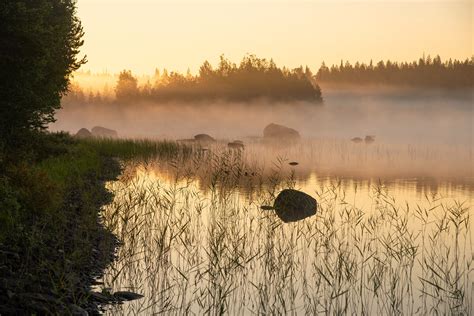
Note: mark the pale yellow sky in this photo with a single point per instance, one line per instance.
(143, 34)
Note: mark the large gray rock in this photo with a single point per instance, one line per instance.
(83, 133)
(293, 205)
(204, 138)
(280, 133)
(99, 131)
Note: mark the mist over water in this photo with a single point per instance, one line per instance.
(421, 160)
(426, 117)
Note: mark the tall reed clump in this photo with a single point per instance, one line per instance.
(195, 241)
(130, 148)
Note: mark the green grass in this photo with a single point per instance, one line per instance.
(51, 194)
(132, 148)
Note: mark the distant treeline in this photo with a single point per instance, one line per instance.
(426, 72)
(253, 78)
(256, 78)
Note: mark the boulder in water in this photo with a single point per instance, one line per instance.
(204, 138)
(277, 132)
(83, 133)
(99, 131)
(293, 205)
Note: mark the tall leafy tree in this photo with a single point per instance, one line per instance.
(39, 47)
(127, 87)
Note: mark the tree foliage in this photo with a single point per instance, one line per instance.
(426, 72)
(39, 44)
(254, 78)
(127, 87)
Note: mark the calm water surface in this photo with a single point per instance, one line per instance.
(195, 241)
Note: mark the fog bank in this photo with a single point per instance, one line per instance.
(394, 117)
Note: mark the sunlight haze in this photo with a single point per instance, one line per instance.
(143, 35)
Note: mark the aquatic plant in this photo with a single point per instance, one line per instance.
(195, 250)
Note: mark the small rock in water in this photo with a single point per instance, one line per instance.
(266, 207)
(356, 140)
(83, 133)
(293, 205)
(127, 296)
(369, 139)
(205, 138)
(293, 163)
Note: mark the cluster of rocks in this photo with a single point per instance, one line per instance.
(272, 133)
(205, 139)
(97, 131)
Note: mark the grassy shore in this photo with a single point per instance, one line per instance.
(52, 241)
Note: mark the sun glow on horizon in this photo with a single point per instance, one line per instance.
(143, 35)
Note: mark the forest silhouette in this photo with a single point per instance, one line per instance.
(427, 72)
(254, 78)
(258, 78)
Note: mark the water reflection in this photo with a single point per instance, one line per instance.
(230, 173)
(195, 241)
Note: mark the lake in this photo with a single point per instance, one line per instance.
(392, 232)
